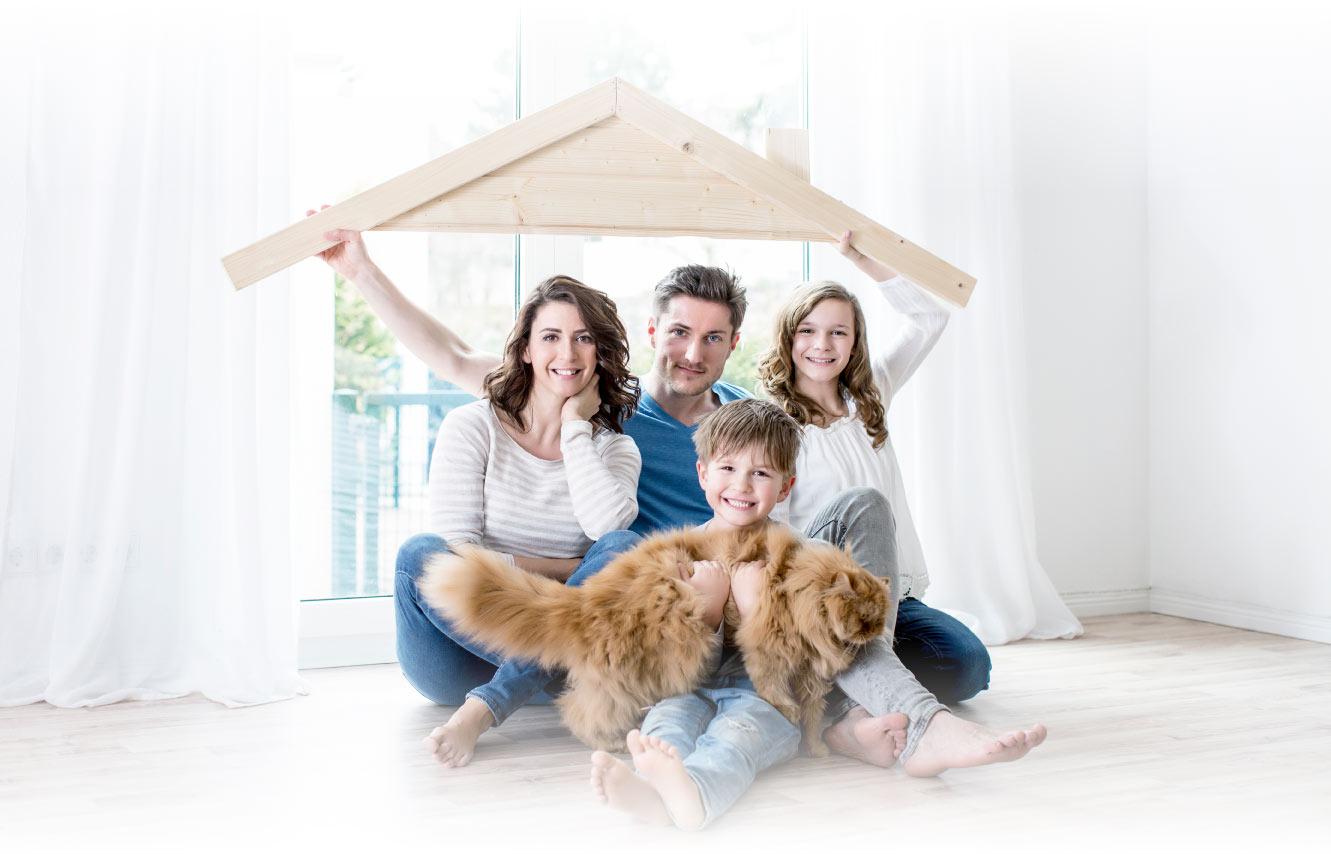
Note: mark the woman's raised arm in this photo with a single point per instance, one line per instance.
(439, 347)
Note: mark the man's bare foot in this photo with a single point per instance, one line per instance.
(878, 741)
(660, 765)
(616, 786)
(950, 742)
(454, 742)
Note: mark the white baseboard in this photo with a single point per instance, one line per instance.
(1103, 603)
(346, 632)
(1241, 615)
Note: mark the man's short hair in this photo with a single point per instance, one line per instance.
(750, 423)
(705, 283)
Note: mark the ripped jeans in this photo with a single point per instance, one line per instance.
(726, 734)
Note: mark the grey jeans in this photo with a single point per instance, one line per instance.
(861, 521)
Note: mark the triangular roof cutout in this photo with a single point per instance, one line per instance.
(611, 160)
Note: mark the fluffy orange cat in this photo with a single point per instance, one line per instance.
(634, 633)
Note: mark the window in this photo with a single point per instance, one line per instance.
(364, 115)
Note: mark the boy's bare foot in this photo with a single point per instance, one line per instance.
(454, 742)
(878, 741)
(616, 786)
(660, 765)
(950, 742)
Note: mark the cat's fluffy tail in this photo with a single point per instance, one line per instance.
(513, 612)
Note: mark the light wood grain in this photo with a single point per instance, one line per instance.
(1165, 734)
(789, 149)
(411, 189)
(608, 179)
(611, 160)
(770, 181)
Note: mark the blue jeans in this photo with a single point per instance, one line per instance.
(445, 665)
(727, 735)
(944, 655)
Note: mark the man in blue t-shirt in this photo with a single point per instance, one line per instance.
(696, 315)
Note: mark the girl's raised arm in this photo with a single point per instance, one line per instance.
(897, 353)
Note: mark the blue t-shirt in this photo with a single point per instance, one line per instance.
(668, 492)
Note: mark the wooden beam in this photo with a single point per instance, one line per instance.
(601, 205)
(789, 149)
(802, 199)
(369, 209)
(608, 179)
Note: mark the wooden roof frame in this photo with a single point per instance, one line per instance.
(519, 179)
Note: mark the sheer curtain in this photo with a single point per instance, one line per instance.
(909, 122)
(145, 429)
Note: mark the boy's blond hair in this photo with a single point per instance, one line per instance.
(750, 423)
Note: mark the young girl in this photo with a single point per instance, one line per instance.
(825, 371)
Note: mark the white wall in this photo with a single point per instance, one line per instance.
(1239, 305)
(1079, 143)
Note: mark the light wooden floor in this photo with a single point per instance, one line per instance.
(1164, 734)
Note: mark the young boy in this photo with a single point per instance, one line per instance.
(697, 753)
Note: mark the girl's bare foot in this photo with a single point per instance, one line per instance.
(878, 741)
(454, 742)
(616, 786)
(950, 742)
(660, 765)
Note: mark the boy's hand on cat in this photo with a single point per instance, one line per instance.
(746, 585)
(710, 579)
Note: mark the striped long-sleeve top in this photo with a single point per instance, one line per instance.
(486, 490)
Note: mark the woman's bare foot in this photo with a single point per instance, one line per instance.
(454, 742)
(950, 742)
(616, 786)
(878, 741)
(660, 765)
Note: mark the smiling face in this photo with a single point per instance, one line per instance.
(823, 341)
(560, 350)
(742, 487)
(692, 339)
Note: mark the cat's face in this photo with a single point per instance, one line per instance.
(855, 602)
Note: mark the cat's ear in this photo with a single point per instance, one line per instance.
(841, 586)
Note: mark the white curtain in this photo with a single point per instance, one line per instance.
(910, 123)
(145, 425)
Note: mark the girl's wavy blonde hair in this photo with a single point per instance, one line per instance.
(777, 371)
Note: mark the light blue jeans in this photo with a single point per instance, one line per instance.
(726, 735)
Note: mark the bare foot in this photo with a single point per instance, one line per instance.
(950, 742)
(660, 765)
(454, 742)
(615, 785)
(878, 741)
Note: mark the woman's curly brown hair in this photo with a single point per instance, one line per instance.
(508, 387)
(777, 373)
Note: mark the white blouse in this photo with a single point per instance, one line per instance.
(841, 455)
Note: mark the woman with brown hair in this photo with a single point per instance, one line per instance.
(538, 470)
